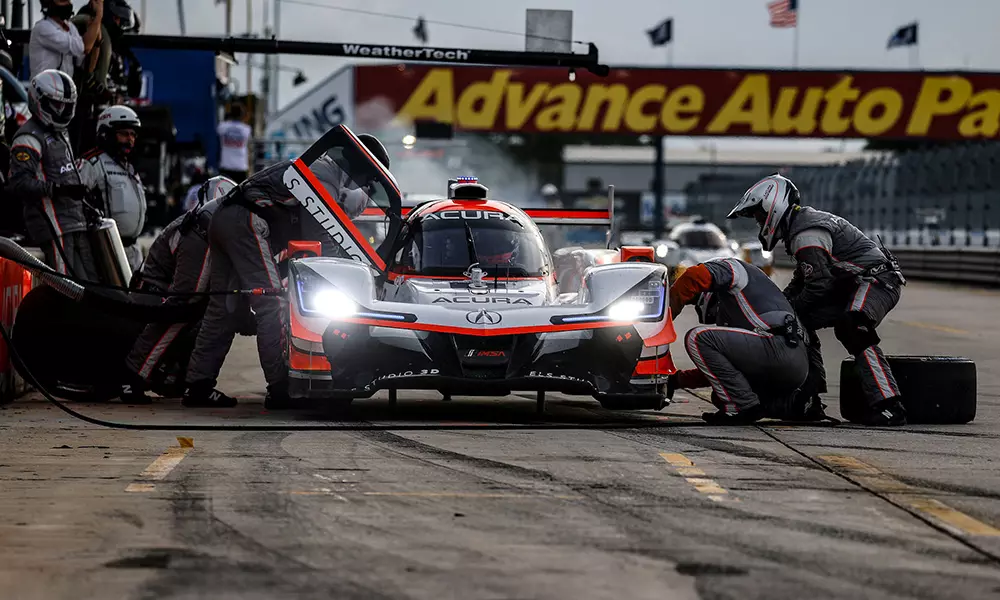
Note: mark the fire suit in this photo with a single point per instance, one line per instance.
(124, 200)
(252, 226)
(756, 348)
(846, 281)
(44, 179)
(178, 261)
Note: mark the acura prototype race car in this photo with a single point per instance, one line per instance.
(462, 297)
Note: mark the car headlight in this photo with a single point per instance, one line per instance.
(332, 303)
(625, 310)
(661, 250)
(766, 254)
(318, 298)
(734, 245)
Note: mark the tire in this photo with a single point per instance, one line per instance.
(74, 352)
(938, 390)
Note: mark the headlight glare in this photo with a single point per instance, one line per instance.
(661, 250)
(333, 303)
(625, 310)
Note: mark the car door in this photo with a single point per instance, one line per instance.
(337, 180)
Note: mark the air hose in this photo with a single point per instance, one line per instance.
(26, 373)
(74, 290)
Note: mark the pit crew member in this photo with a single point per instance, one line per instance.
(843, 279)
(108, 174)
(752, 345)
(45, 181)
(178, 261)
(257, 217)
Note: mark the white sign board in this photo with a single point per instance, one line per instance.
(548, 30)
(317, 111)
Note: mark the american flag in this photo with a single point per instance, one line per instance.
(783, 13)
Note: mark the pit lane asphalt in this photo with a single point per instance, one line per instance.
(673, 512)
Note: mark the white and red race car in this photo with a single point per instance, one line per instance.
(463, 297)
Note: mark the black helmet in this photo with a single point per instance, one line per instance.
(375, 147)
(121, 10)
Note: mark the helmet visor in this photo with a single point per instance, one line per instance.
(61, 111)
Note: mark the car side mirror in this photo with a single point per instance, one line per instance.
(304, 249)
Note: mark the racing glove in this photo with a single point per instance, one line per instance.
(247, 325)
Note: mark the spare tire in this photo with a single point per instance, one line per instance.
(938, 390)
(74, 351)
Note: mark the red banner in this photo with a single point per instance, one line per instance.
(694, 102)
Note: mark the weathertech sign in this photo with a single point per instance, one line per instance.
(863, 104)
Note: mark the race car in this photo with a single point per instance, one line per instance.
(692, 243)
(462, 297)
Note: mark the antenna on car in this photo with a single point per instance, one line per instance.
(611, 215)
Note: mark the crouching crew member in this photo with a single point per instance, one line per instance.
(178, 261)
(752, 353)
(842, 279)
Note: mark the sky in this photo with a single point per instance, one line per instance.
(954, 34)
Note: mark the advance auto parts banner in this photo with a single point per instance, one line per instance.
(690, 102)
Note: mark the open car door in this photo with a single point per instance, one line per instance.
(337, 180)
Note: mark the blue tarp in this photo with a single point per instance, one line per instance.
(184, 80)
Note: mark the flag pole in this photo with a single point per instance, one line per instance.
(795, 42)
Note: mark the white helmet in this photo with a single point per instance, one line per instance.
(768, 202)
(215, 188)
(52, 98)
(111, 120)
(117, 117)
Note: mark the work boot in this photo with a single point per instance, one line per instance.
(888, 413)
(133, 388)
(746, 416)
(202, 394)
(277, 397)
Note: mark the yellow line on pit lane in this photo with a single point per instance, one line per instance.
(696, 477)
(906, 495)
(162, 466)
(934, 327)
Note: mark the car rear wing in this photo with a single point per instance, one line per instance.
(587, 217)
(584, 217)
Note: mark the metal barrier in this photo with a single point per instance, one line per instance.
(961, 265)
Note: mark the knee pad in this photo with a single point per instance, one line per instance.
(856, 332)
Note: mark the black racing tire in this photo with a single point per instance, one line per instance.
(75, 352)
(938, 390)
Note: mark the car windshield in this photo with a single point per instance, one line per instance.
(700, 239)
(501, 247)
